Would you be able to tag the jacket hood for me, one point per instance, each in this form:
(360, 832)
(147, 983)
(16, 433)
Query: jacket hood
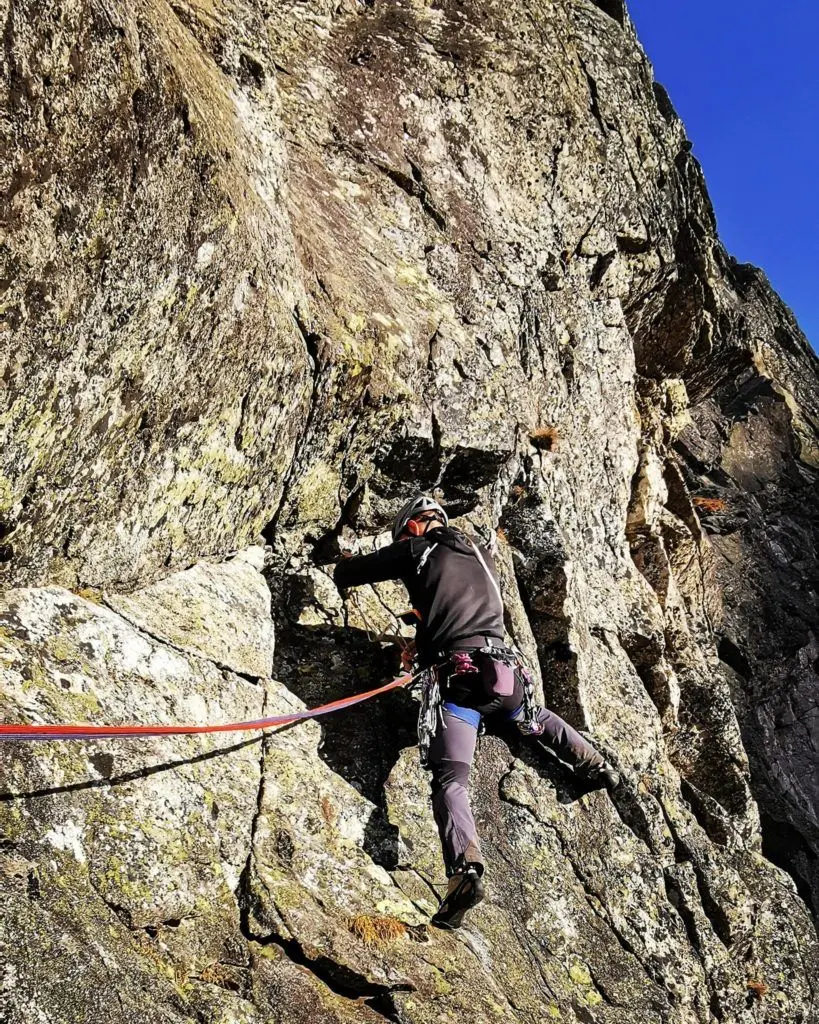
(452, 538)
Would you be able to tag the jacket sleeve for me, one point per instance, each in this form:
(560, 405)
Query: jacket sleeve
(390, 563)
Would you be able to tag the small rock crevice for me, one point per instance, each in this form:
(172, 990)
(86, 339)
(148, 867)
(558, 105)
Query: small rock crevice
(415, 187)
(339, 978)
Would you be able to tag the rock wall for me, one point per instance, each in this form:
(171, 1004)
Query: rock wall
(264, 269)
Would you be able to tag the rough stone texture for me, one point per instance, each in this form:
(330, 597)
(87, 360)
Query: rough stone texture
(220, 612)
(116, 856)
(157, 379)
(266, 267)
(749, 450)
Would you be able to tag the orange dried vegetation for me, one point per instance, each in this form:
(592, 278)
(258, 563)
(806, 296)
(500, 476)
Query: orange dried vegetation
(329, 812)
(545, 438)
(222, 975)
(376, 931)
(711, 504)
(757, 988)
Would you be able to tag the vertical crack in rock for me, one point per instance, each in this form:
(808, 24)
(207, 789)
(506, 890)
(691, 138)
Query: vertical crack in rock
(594, 102)
(683, 853)
(676, 898)
(592, 897)
(311, 347)
(339, 978)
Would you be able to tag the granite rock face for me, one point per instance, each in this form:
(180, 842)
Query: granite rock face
(264, 269)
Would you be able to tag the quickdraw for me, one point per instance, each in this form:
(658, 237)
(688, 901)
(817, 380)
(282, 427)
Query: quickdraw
(431, 713)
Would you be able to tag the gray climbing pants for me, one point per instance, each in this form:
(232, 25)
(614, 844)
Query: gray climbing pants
(450, 760)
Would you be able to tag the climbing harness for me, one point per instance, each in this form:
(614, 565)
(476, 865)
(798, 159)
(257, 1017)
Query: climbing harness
(527, 723)
(24, 732)
(431, 711)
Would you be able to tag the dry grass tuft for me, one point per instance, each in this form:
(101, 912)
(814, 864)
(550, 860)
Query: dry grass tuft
(757, 988)
(328, 811)
(711, 504)
(376, 931)
(545, 438)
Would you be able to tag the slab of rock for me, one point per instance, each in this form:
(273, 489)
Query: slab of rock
(218, 611)
(124, 855)
(269, 268)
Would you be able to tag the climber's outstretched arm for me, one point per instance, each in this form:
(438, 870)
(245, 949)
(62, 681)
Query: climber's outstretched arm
(390, 563)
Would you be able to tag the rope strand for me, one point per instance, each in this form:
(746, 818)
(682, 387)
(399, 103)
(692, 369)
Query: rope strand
(10, 732)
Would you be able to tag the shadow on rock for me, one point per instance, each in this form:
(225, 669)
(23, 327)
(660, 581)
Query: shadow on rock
(323, 663)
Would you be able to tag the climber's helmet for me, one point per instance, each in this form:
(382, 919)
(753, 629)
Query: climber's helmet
(420, 508)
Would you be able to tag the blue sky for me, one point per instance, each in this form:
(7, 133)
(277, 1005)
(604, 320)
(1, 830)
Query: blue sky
(744, 77)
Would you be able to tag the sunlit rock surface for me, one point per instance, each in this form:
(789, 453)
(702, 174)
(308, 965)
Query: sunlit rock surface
(264, 269)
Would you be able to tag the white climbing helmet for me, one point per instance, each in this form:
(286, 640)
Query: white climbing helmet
(415, 507)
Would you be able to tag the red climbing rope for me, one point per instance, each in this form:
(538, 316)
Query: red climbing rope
(95, 732)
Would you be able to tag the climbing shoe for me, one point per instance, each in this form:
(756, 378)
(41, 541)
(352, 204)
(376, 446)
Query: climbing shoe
(466, 890)
(604, 774)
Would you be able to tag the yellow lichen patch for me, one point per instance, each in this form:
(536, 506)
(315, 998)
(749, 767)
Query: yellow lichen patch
(356, 323)
(318, 493)
(61, 649)
(581, 976)
(35, 424)
(408, 274)
(176, 973)
(7, 494)
(376, 931)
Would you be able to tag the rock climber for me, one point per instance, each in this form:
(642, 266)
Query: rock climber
(468, 672)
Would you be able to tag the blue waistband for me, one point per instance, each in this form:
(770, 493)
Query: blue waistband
(468, 715)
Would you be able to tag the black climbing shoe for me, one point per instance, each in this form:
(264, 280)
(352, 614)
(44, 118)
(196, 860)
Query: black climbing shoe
(604, 774)
(466, 890)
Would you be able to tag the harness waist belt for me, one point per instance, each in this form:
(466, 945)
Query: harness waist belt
(479, 640)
